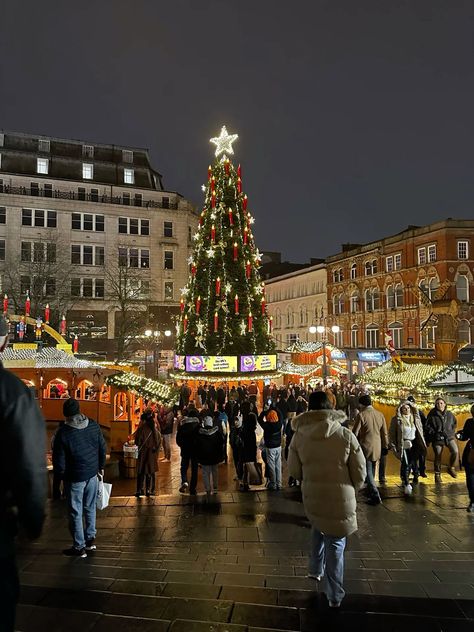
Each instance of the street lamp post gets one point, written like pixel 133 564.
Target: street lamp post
pixel 153 337
pixel 322 330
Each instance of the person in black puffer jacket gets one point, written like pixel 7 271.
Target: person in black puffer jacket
pixel 248 452
pixel 186 439
pixel 209 453
pixel 467 434
pixel 440 432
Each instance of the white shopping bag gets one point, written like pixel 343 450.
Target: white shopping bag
pixel 104 490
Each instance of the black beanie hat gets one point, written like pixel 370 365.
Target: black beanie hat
pixel 365 400
pixel 71 407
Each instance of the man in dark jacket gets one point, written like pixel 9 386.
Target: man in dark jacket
pixel 440 432
pixel 209 452
pixel 186 439
pixel 79 457
pixel 22 478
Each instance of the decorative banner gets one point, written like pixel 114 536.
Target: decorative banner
pixel 211 364
pixel 180 362
pixel 258 363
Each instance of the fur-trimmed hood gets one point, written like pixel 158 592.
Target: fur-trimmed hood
pixel 325 422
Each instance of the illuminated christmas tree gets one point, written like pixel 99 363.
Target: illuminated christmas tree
pixel 223 309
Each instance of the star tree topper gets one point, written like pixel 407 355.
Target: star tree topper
pixel 224 142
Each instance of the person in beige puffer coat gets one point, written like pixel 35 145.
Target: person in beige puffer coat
pixel 329 461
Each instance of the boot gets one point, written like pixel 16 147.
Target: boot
pixel 437 477
pixel 452 471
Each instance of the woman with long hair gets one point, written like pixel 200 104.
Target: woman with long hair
pixel 148 440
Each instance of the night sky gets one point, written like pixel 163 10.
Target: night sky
pixel 355 118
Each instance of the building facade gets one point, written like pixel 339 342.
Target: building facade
pixel 296 301
pixel 389 286
pixel 93 211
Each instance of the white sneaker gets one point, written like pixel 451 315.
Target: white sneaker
pixel 408 490
pixel 318 578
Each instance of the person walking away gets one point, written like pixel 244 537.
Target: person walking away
pixel 422 455
pixel 371 430
pixel 467 434
pixel 253 392
pixel 329 461
pixel 407 442
pixel 236 443
pixel 209 453
pixel 440 430
pixel 184 396
pixel 272 427
pixel 282 407
pixel 223 421
pixel 166 419
pixel 292 404
pixel 248 453
pixel 186 440
pixel 148 440
pixel 79 455
pixel 23 480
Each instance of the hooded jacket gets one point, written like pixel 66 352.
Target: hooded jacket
pixel 209 446
pixel 329 461
pixel 440 427
pixel 186 434
pixel 371 431
pixel 396 430
pixel 79 449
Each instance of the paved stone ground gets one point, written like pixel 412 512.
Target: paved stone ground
pixel 237 563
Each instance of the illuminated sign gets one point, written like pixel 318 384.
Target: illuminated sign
pixel 211 364
pixel 179 362
pixel 337 354
pixel 371 356
pixel 258 363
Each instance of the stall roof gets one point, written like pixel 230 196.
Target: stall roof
pixel 46 358
pixel 419 376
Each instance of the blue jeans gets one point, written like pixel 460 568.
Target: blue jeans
pixel 327 560
pixel 372 489
pixel 274 467
pixel 81 499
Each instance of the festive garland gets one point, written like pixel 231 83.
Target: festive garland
pixel 144 387
pixel 226 377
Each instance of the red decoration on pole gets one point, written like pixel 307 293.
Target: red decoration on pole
pixel 213 183
pixel 263 305
pixel 27 305
pixel 218 286
pixel 5 303
pixel 213 233
pixel 244 202
pixel 198 305
pixel 236 251
pixel 181 305
pixel 216 322
pixel 231 218
pixel 209 172
pixel 239 171
pixel 236 304
pixel 47 313
pixel 75 344
pixel 62 326
pixel 246 235
pixel 250 322
pixel 247 269
pixel 239 185
pixel 227 166
pixel 201 218
pixel 185 323
pixel 213 199
pixel 193 269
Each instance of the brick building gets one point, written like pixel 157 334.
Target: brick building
pixel 97 206
pixel 371 288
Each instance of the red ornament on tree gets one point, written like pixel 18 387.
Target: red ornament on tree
pixel 213 199
pixel 236 304
pixel 75 344
pixel 193 268
pixel 239 185
pixel 227 166
pixel 246 235
pixel 46 313
pixel 185 323
pixel 198 305
pixel 201 218
pixel 236 251
pixel 181 305
pixel 239 171
pixel 27 305
pixel 231 218
pixel 213 183
pixel 250 322
pixel 244 203
pixel 216 322
pixel 248 269
pixel 218 286
pixel 5 303
pixel 263 306
pixel 209 172
pixel 213 233
pixel 62 326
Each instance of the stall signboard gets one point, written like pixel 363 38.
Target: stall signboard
pixel 179 362
pixel 257 363
pixel 372 356
pixel 337 354
pixel 211 364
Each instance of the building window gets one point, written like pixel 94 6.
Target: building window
pixel 464 332
pixel 99 288
pixel 48 190
pixel 138 199
pixel 338 304
pixel 3 215
pixel 26 251
pixel 396 330
pixel 372 300
pixel 134 257
pixel 397 262
pixel 432 253
pixel 133 226
pixel 427 336
pixel 81 194
pixel 2 250
pixel 43 145
pixel 168 229
pixel 2 139
pixel 463 250
pixel 389 264
pixel 168 262
pixel 88 151
pixel 127 156
pixel 123 225
pixel 165 202
pixel 27 217
pixel 34 189
pixel 129 176
pixel 126 199
pixel 394 296
pixel 38 217
pixel 370 267
pixel 50 287
pixel 339 339
pixel 354 271
pixel 87 288
pixel 372 336
pixel 354 302
pixel 42 166
pixel 169 291
pixel 87 171
pixel 94 195
pixel 354 336
pixel 88 222
pixel 462 288
pixel 421 256
pixel 25 284
pixel 51 219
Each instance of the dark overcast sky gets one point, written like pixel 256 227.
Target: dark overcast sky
pixel 355 117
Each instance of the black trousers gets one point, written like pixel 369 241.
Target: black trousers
pixel 9 593
pixel 187 459
pixel 149 480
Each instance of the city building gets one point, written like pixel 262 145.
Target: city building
pixel 296 301
pixel 272 265
pixel 391 286
pixel 77 219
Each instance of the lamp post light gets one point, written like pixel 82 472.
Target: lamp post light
pixel 322 330
pixel 153 337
